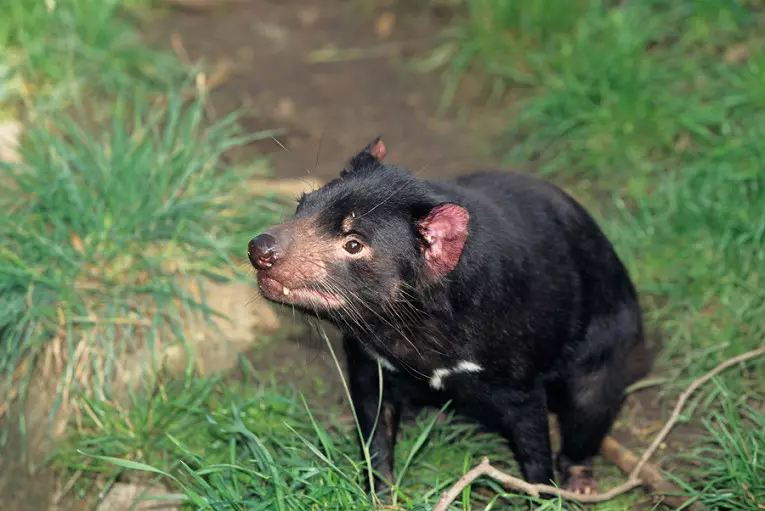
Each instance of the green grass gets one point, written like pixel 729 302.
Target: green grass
pixel 58 52
pixel 122 207
pixel 245 446
pixel 253 444
pixel 235 445
pixel 91 255
pixel 731 459
pixel 250 443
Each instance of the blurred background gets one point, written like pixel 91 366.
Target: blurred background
pixel 144 142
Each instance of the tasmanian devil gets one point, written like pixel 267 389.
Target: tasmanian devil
pixel 494 290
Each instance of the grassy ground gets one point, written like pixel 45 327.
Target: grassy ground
pixel 226 446
pixel 116 213
pixel 58 53
pixel 649 108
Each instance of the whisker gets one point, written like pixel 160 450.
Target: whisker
pixel 354 320
pixel 393 326
pixel 288 151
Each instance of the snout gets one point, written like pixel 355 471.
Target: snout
pixel 291 268
pixel 264 251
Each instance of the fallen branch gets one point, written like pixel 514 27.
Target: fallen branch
pixel 640 473
pixel 650 474
pixel 535 490
pixel 684 397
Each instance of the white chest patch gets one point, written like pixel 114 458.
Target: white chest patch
pixel 384 362
pixel 465 366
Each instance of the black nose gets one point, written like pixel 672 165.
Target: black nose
pixel 263 251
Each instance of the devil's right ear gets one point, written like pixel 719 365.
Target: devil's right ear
pixel 372 154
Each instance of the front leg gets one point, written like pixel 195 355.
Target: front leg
pixel 520 415
pixel 364 379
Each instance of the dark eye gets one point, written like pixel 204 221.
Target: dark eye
pixel 353 247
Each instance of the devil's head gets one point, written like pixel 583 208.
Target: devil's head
pixel 373 237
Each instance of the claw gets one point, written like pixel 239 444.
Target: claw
pixel 580 480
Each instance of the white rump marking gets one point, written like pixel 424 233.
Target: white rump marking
pixel 465 366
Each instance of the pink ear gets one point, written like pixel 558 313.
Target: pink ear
pixel 378 150
pixel 445 233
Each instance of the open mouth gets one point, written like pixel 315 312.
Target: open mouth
pixel 305 296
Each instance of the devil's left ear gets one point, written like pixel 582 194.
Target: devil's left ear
pixel 444 231
pixel 373 153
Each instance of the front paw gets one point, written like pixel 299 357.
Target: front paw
pixel 580 480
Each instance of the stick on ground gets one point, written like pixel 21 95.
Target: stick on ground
pixel 695 384
pixel 637 477
pixel 650 474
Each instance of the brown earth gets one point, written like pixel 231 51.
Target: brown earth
pixel 336 105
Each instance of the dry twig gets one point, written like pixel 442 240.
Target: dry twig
pixel 535 490
pixel 634 480
pixel 684 397
pixel 650 474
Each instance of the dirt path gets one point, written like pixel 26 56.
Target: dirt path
pixel 337 105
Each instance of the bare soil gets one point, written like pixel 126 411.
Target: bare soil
pixel 330 109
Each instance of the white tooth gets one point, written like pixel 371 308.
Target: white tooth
pixel 285 290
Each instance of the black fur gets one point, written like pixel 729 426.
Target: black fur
pixel 539 300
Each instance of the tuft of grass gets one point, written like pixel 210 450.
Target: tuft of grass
pixel 109 234
pixel 123 205
pixel 731 460
pixel 60 51
pixel 234 445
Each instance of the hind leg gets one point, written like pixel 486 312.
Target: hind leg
pixel 589 400
pixel 584 423
pixel 585 418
